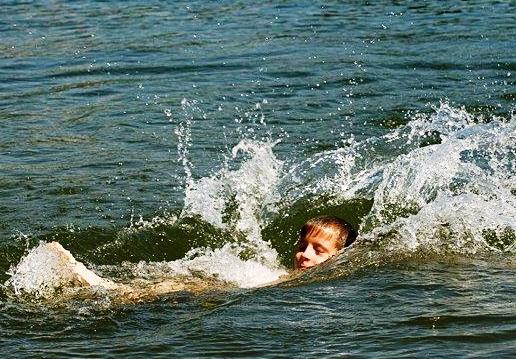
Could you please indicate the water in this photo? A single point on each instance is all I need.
(193, 139)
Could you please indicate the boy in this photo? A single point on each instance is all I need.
(320, 239)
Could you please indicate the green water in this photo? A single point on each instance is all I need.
(133, 132)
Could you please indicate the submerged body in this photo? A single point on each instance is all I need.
(50, 268)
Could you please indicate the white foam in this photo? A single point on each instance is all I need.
(444, 195)
(226, 264)
(450, 193)
(49, 267)
(251, 190)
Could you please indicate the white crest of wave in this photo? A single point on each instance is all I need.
(452, 194)
(225, 264)
(444, 180)
(251, 190)
(453, 223)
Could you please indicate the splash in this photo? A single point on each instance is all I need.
(444, 182)
(456, 194)
(460, 191)
(239, 199)
(184, 135)
(227, 264)
(48, 268)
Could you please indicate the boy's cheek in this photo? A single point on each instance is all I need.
(323, 257)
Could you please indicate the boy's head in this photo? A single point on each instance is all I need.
(322, 238)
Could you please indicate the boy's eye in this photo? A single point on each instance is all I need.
(319, 250)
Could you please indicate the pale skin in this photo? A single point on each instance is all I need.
(315, 249)
(74, 274)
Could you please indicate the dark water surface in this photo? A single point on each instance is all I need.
(438, 310)
(133, 132)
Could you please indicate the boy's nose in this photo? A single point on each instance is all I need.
(308, 252)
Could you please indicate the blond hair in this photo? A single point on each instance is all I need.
(340, 230)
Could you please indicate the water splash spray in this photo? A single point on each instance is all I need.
(444, 181)
(184, 135)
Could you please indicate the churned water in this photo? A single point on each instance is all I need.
(189, 141)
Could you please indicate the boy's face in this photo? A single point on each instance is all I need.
(314, 249)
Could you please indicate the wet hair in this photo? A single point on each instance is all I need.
(340, 230)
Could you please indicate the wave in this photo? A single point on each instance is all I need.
(441, 184)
